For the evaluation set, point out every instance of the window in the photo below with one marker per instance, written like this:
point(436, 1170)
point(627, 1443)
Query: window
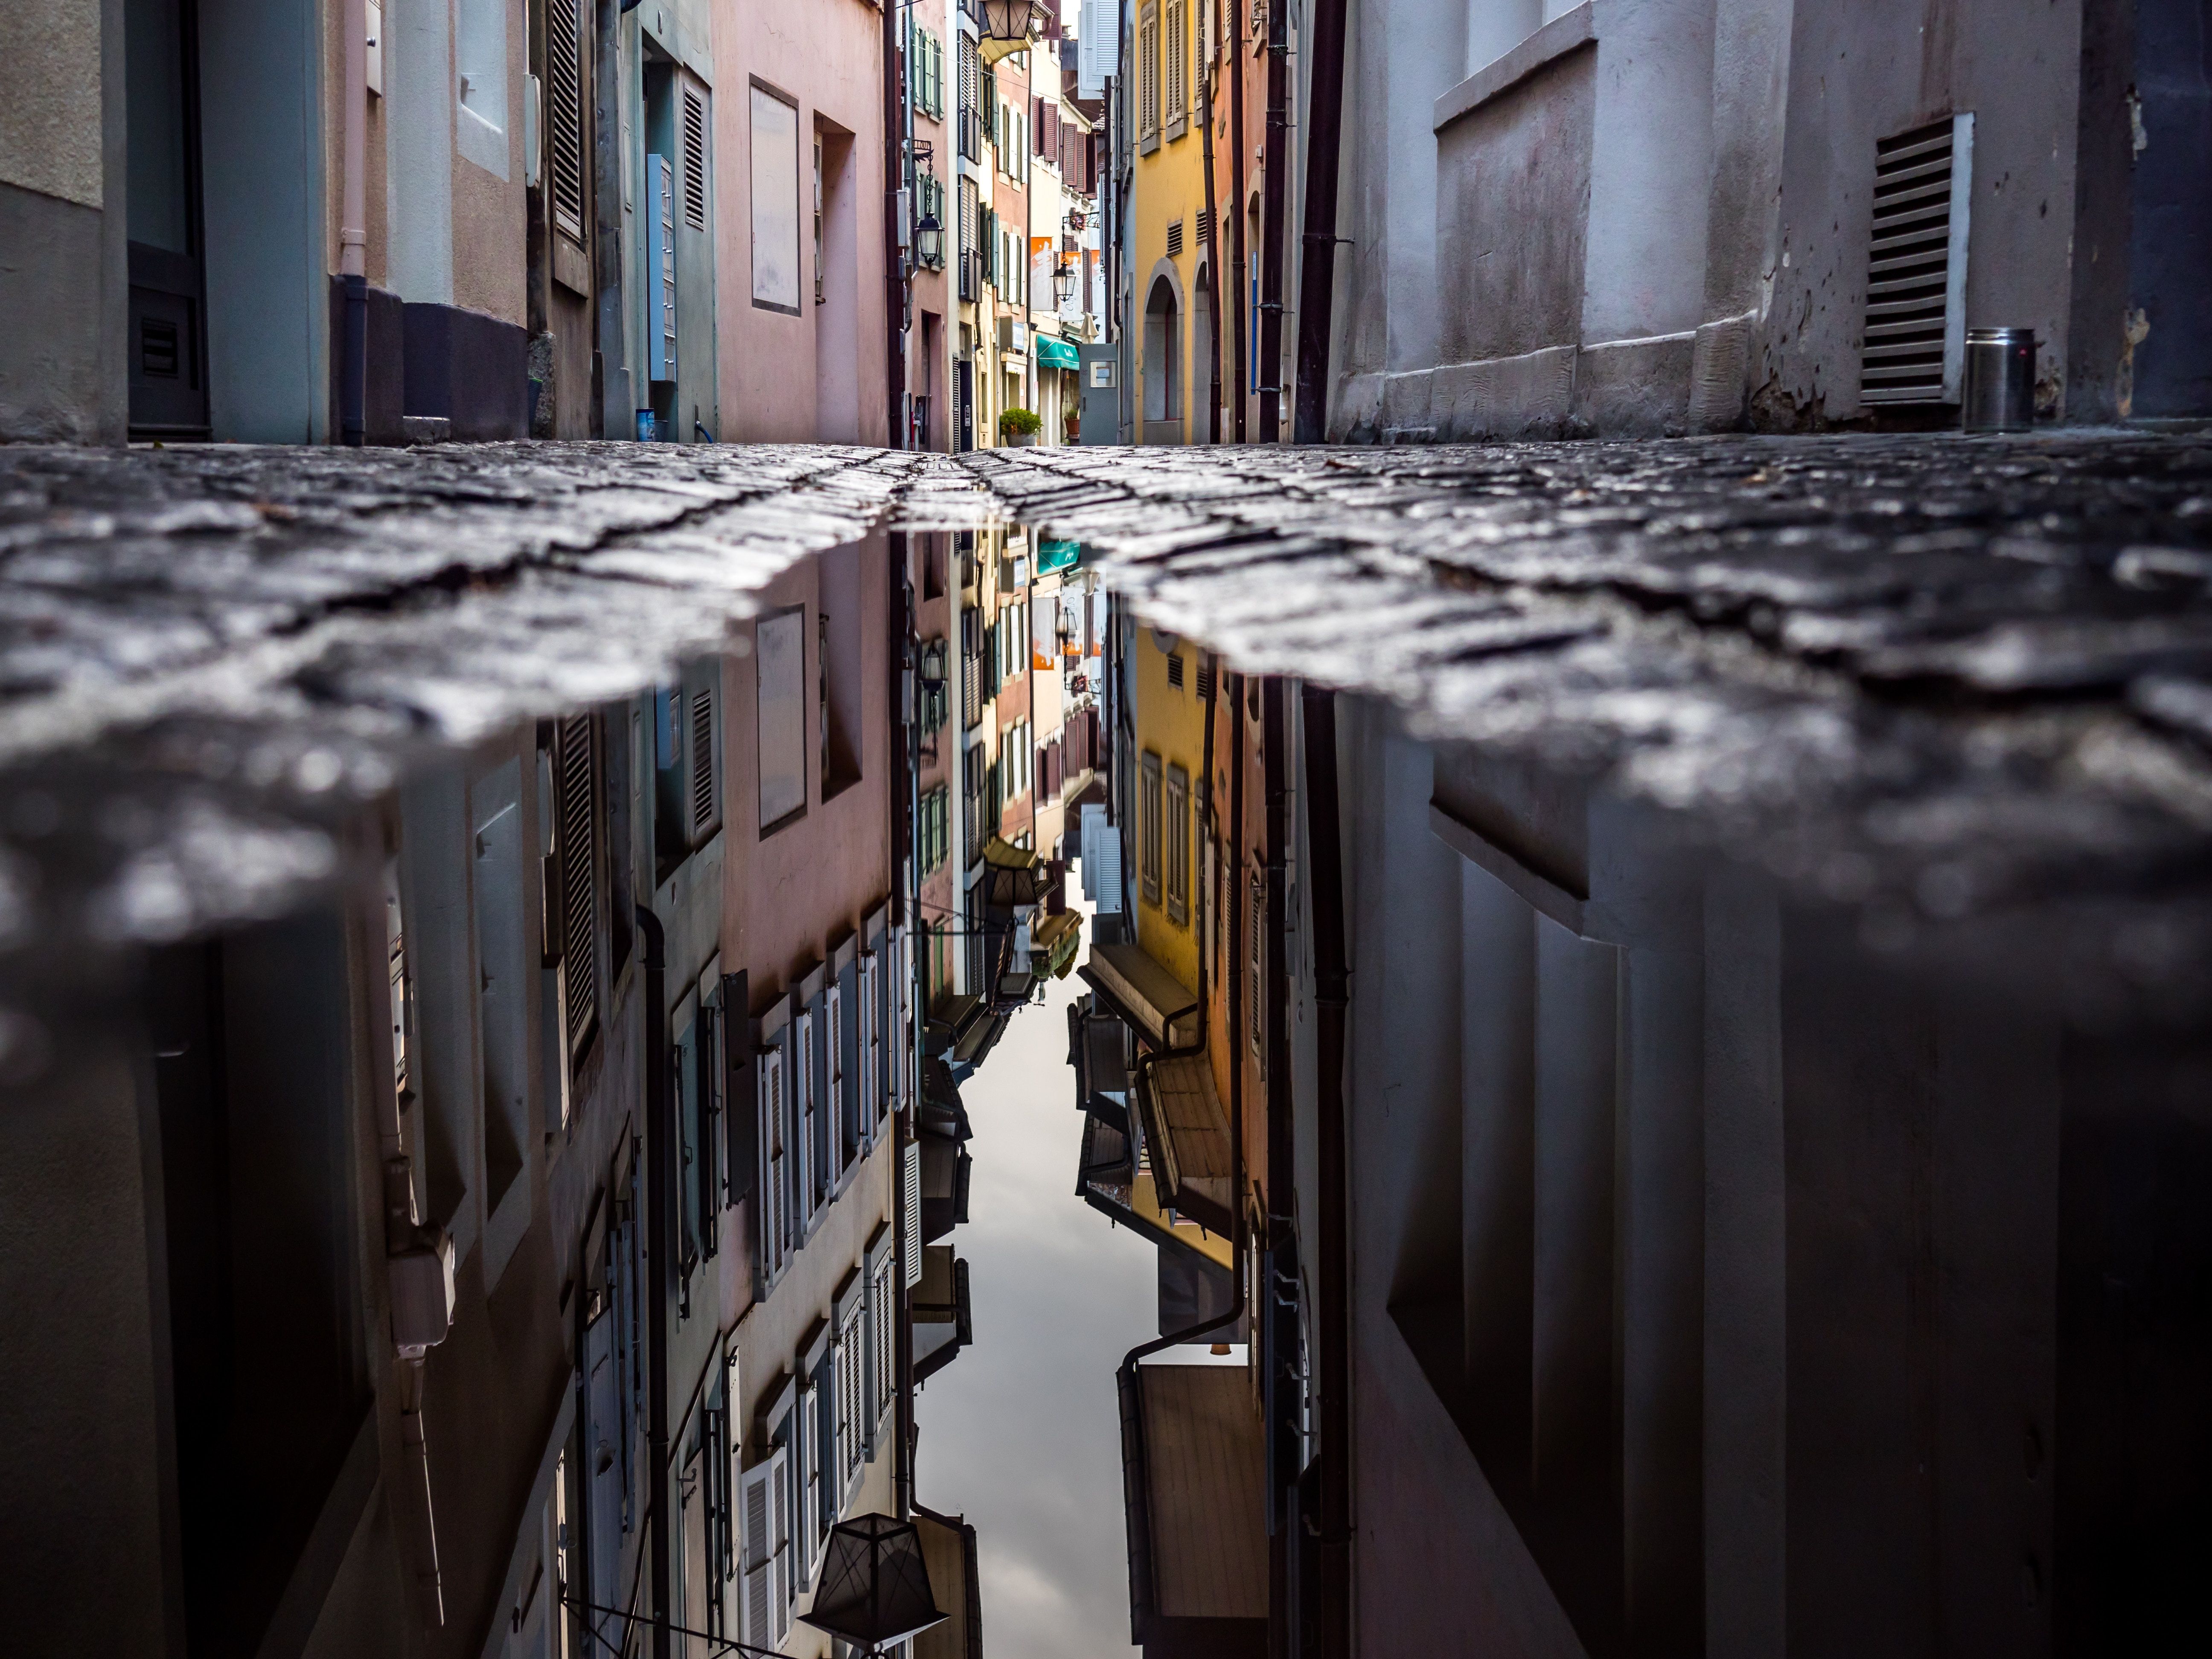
point(495, 892)
point(775, 201)
point(838, 663)
point(780, 657)
point(821, 294)
point(1178, 846)
point(480, 54)
point(1149, 822)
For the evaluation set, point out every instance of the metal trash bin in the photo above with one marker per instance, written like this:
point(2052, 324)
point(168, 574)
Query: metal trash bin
point(2000, 392)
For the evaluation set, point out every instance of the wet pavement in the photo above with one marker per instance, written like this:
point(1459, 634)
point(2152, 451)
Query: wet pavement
point(1958, 694)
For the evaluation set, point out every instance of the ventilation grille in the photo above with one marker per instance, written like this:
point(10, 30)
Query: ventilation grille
point(1175, 239)
point(695, 160)
point(579, 885)
point(564, 104)
point(1175, 670)
point(703, 762)
point(1915, 269)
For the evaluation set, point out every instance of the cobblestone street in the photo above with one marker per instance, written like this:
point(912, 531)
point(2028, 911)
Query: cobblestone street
point(1935, 679)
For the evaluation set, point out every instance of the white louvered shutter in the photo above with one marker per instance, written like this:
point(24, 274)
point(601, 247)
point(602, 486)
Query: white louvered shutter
point(774, 1175)
point(802, 1163)
point(912, 1228)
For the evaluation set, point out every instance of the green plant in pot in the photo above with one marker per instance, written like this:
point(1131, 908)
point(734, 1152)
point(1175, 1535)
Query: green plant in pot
point(1019, 426)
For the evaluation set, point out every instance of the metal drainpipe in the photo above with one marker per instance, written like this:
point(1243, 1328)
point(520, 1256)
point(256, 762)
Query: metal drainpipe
point(659, 1208)
point(1271, 257)
point(1212, 244)
point(1239, 267)
point(1317, 270)
point(1331, 979)
point(894, 280)
point(904, 673)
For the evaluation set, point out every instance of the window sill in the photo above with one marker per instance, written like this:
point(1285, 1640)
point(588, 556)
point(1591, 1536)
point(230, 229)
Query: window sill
point(1569, 31)
point(1145, 146)
point(1176, 128)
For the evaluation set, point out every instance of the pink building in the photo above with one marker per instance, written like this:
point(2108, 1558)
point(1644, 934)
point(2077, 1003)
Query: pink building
point(800, 270)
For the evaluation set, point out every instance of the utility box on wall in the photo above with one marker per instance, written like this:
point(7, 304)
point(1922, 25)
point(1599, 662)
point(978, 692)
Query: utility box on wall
point(1101, 375)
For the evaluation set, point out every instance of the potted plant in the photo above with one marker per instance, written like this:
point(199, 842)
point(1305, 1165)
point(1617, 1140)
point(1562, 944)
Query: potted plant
point(1018, 426)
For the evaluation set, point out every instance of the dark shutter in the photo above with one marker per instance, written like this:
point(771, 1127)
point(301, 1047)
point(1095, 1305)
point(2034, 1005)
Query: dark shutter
point(564, 114)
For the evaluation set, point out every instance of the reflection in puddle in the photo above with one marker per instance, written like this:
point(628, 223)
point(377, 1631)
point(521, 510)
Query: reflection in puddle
point(560, 1107)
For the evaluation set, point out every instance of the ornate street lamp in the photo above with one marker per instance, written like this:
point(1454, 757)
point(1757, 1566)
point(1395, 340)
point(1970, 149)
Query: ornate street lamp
point(1008, 27)
point(874, 1585)
point(929, 241)
point(1063, 284)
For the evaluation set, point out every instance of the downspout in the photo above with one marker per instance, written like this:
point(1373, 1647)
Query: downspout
point(659, 1212)
point(1239, 267)
point(895, 280)
point(1212, 257)
point(1317, 273)
point(1323, 837)
point(1271, 257)
point(352, 232)
point(906, 672)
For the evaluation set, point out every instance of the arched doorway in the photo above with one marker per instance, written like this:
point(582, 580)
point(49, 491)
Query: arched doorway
point(1163, 369)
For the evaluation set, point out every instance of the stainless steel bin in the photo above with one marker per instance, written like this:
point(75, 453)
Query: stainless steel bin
point(2000, 391)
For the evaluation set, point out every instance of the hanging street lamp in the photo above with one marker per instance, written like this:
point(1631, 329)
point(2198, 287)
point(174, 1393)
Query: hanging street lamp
point(873, 1586)
point(1008, 27)
point(929, 241)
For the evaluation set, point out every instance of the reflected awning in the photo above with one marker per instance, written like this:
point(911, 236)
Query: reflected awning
point(1189, 1134)
point(1052, 352)
point(1058, 554)
point(1056, 940)
point(1150, 998)
point(1196, 1509)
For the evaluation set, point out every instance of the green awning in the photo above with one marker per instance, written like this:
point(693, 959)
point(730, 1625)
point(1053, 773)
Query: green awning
point(1057, 556)
point(1052, 352)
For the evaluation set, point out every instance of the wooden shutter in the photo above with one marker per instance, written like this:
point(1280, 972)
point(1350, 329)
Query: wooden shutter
point(564, 114)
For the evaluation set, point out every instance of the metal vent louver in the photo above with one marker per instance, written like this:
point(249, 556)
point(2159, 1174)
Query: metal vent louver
point(564, 101)
point(1916, 326)
point(703, 762)
point(695, 160)
point(579, 882)
point(1175, 238)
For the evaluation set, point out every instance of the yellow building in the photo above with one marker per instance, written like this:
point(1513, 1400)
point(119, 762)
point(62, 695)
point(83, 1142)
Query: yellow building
point(1167, 228)
point(1180, 1184)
